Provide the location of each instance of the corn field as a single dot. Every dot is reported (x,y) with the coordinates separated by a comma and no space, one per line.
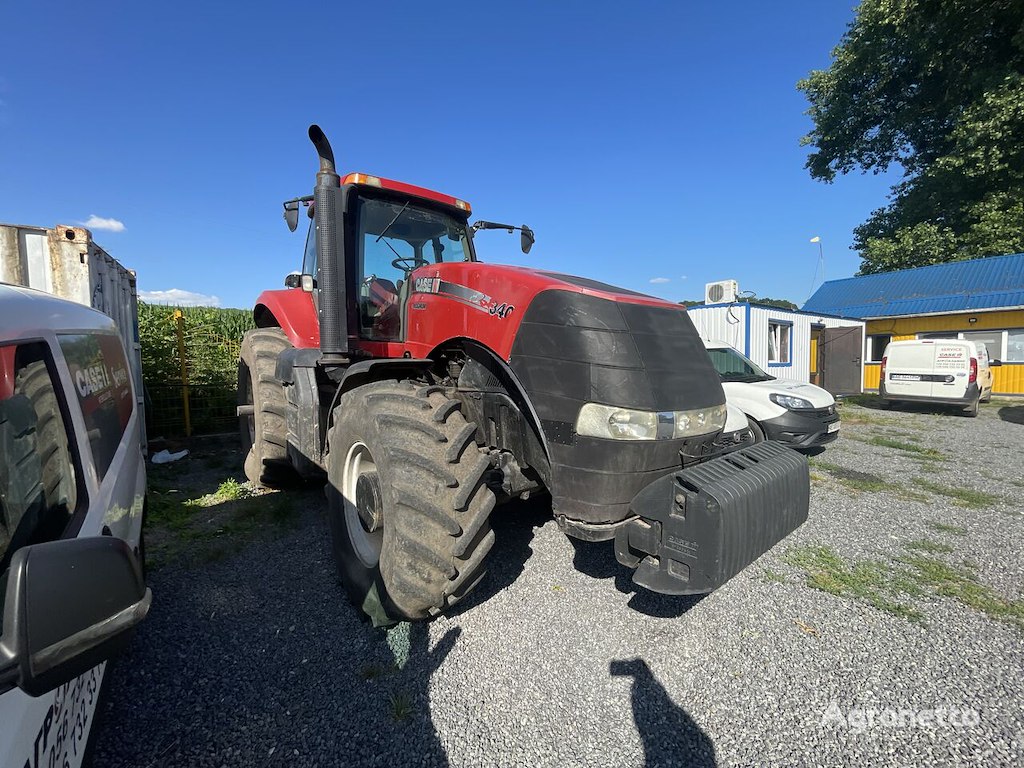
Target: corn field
(190,367)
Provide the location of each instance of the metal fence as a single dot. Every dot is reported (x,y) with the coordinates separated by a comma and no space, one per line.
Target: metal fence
(190,360)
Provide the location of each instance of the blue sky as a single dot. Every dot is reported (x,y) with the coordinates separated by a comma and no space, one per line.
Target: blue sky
(640,141)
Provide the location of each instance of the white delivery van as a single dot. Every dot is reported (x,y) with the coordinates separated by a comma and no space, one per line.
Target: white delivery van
(942,371)
(72,493)
(800,415)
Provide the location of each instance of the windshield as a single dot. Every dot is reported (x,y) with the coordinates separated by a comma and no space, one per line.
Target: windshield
(414,235)
(732,366)
(395,239)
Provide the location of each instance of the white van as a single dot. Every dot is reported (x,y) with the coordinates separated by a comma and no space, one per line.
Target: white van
(800,415)
(942,371)
(72,492)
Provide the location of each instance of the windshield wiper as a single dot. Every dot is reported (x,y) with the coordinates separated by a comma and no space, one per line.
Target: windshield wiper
(385,231)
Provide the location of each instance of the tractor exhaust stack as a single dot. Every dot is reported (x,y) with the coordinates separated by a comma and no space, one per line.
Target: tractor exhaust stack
(327,199)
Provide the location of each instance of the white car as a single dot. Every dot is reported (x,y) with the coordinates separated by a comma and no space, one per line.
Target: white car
(799,415)
(72,492)
(943,371)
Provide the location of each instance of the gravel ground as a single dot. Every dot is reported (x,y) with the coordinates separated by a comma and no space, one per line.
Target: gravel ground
(255,659)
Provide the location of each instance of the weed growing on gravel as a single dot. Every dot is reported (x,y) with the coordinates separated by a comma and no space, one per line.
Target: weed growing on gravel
(376,671)
(956,530)
(964,497)
(912,574)
(866,580)
(929,546)
(906,447)
(856,480)
(401,706)
(961,583)
(773,577)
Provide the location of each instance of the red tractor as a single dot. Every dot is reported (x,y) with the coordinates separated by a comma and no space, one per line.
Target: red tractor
(428,387)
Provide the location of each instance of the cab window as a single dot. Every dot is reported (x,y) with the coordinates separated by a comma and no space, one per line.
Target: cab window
(102,382)
(38,479)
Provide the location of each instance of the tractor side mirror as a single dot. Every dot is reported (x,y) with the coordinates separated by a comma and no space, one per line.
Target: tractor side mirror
(293,280)
(526,239)
(68,606)
(291,214)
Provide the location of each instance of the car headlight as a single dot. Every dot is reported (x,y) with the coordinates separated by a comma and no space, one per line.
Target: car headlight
(616,423)
(790,402)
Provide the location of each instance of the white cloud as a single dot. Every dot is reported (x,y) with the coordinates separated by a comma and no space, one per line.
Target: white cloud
(98,222)
(682,277)
(657,280)
(179,298)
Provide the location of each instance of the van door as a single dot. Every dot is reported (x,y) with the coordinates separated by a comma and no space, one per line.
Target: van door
(952,369)
(909,370)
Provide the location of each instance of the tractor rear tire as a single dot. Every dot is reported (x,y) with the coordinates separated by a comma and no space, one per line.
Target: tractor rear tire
(265,433)
(407,503)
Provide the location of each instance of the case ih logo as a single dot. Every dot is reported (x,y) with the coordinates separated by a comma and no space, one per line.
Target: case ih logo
(464,294)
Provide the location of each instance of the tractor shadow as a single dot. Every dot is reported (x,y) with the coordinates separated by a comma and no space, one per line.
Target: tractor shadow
(1012,413)
(597,560)
(668,733)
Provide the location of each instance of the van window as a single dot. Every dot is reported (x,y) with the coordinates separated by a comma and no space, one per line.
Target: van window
(779,345)
(38,480)
(877,342)
(100,374)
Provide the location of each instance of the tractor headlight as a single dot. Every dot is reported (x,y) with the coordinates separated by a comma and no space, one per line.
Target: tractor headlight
(615,423)
(791,403)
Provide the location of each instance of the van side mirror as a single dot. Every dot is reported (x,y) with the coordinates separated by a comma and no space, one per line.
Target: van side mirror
(69,605)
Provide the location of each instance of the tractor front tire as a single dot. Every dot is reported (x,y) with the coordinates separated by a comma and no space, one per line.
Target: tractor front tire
(407,503)
(264,433)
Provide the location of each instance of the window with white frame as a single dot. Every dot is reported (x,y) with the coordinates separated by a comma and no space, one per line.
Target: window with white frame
(1015,346)
(1006,346)
(779,342)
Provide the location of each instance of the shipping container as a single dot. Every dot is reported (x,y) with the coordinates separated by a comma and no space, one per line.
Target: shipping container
(67,262)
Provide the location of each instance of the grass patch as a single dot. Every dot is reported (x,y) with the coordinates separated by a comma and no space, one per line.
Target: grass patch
(916,573)
(866,580)
(856,480)
(964,497)
(773,577)
(906,447)
(929,547)
(956,530)
(401,706)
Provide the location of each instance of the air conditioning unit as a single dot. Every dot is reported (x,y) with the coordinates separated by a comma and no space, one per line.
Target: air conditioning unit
(722,292)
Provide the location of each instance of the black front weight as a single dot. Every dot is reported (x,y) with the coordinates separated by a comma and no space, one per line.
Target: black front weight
(697,528)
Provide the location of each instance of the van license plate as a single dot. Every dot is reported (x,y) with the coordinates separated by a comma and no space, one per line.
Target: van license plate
(833,427)
(904,377)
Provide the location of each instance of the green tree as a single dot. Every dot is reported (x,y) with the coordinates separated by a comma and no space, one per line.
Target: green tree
(935,87)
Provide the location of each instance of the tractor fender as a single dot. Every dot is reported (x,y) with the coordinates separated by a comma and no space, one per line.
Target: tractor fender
(505,376)
(293,312)
(366,371)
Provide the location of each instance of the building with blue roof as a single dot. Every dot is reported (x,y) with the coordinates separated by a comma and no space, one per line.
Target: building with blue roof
(981,300)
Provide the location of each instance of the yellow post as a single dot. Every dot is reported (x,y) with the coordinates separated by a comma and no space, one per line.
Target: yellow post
(179,322)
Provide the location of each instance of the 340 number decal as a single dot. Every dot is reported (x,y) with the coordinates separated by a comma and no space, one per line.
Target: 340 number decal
(502,310)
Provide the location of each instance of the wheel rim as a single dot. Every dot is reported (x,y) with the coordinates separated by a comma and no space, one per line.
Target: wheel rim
(363,509)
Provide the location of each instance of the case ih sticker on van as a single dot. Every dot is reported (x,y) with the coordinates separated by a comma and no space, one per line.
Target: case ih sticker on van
(102,381)
(950,358)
